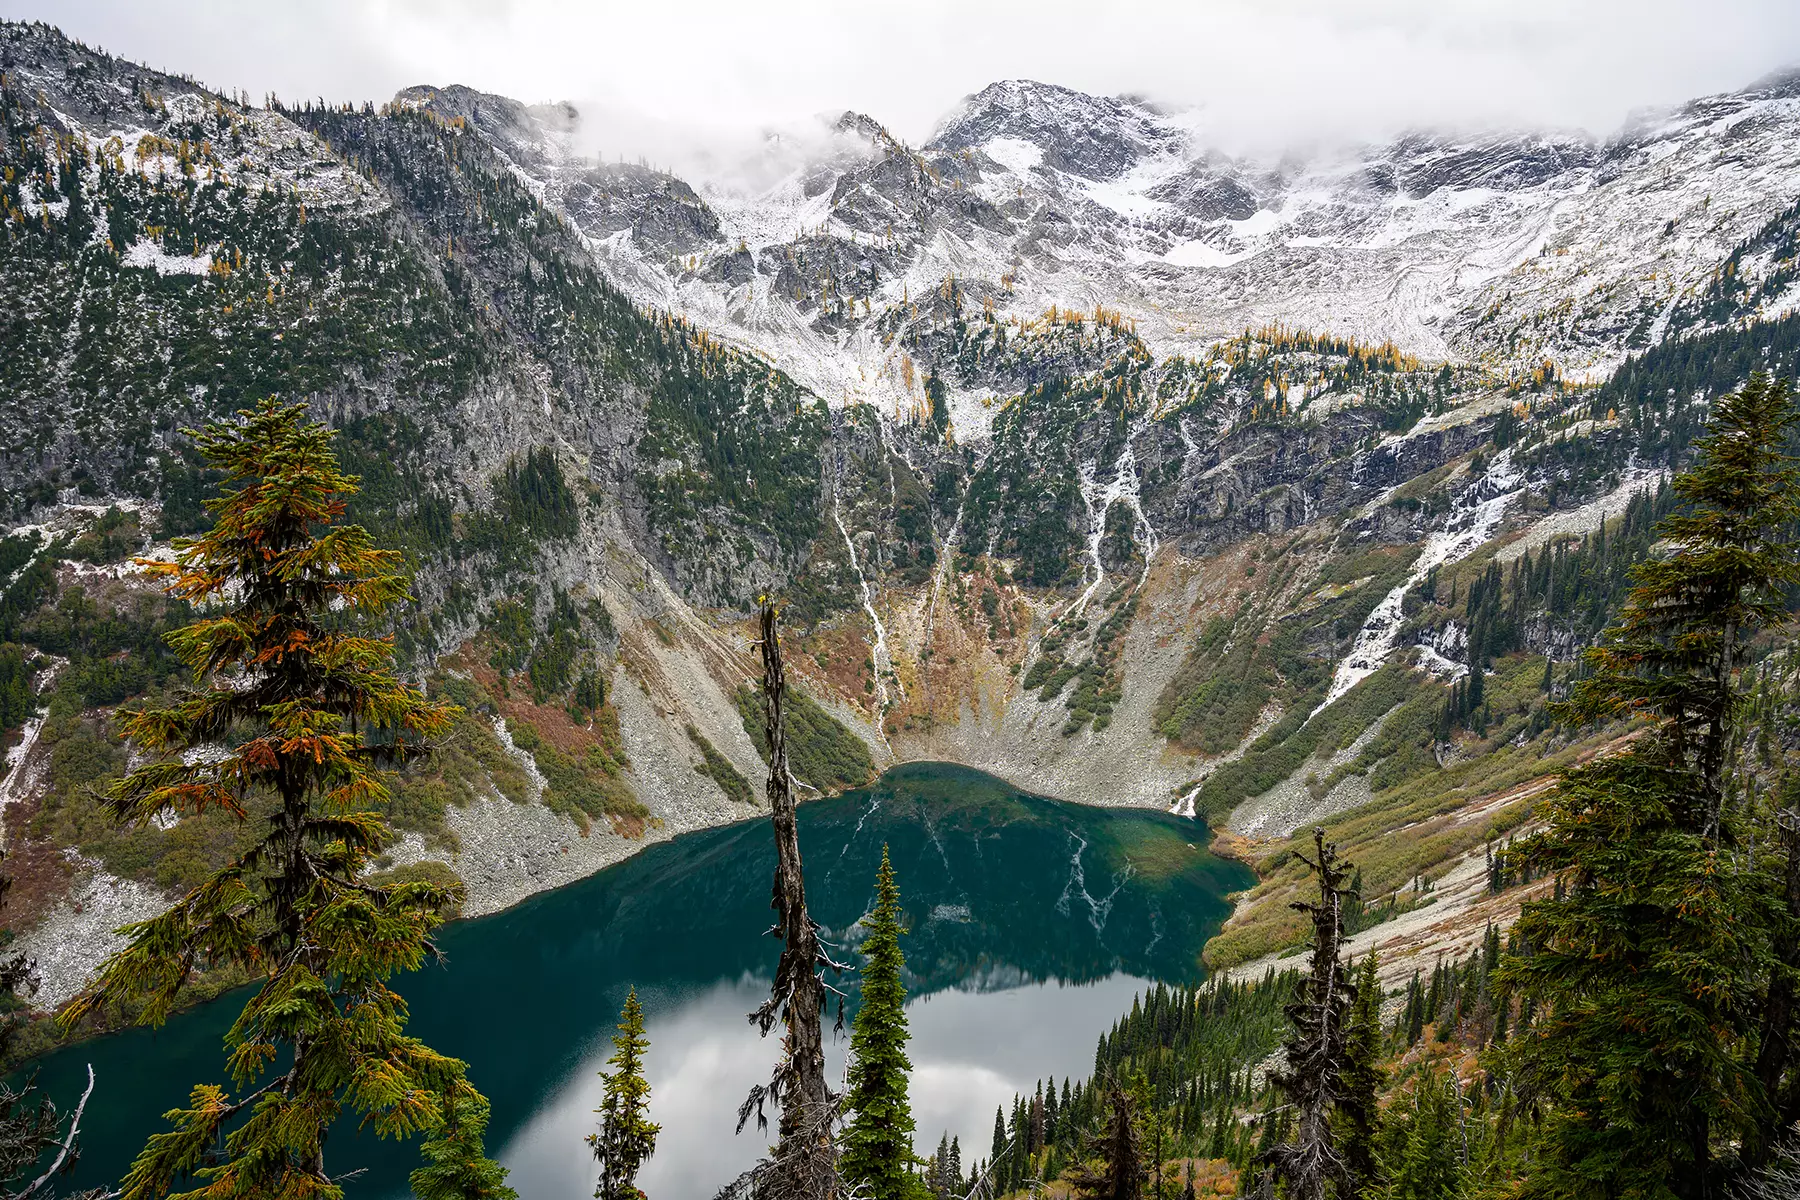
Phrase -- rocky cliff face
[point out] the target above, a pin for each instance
(1129, 470)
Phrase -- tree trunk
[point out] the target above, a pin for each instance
(1778, 1011)
(805, 1165)
(1310, 1165)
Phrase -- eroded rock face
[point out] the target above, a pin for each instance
(965, 405)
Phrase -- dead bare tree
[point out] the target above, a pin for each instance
(804, 1166)
(1318, 1049)
(1120, 1170)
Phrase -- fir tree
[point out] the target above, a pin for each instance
(1316, 1053)
(1429, 1165)
(289, 682)
(458, 1168)
(1362, 1079)
(877, 1145)
(626, 1136)
(1118, 1170)
(1646, 960)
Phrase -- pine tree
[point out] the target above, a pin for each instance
(1316, 1052)
(458, 1168)
(877, 1145)
(626, 1136)
(289, 682)
(1428, 1166)
(1646, 960)
(1362, 1079)
(1119, 1169)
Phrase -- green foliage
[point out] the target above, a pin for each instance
(1648, 958)
(822, 754)
(626, 1136)
(114, 535)
(877, 1144)
(1425, 1144)
(534, 495)
(17, 701)
(589, 692)
(1567, 592)
(1278, 753)
(1221, 690)
(457, 1166)
(1358, 1117)
(29, 564)
(582, 787)
(1191, 1054)
(511, 632)
(284, 585)
(718, 768)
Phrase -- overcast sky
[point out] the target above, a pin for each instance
(1268, 72)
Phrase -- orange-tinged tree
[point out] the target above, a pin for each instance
(295, 706)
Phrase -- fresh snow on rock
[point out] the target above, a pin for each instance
(1473, 519)
(148, 254)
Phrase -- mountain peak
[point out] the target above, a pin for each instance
(1095, 137)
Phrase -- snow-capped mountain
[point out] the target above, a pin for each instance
(1500, 248)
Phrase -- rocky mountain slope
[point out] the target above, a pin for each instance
(1277, 493)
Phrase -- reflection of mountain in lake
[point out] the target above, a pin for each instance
(999, 889)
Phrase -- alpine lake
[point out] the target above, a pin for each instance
(1031, 925)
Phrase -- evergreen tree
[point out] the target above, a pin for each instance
(877, 1145)
(1119, 1169)
(1647, 958)
(1362, 1079)
(626, 1136)
(458, 1168)
(289, 682)
(938, 397)
(1316, 1053)
(1429, 1165)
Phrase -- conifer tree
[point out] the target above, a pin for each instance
(457, 1167)
(1119, 1170)
(1646, 959)
(291, 686)
(1361, 1079)
(877, 1145)
(1428, 1166)
(1316, 1052)
(626, 1136)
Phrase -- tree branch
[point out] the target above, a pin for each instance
(68, 1143)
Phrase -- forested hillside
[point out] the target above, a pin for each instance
(1314, 554)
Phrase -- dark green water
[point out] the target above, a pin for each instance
(1032, 924)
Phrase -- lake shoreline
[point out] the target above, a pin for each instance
(1018, 905)
(41, 1037)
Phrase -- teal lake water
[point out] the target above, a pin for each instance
(1032, 924)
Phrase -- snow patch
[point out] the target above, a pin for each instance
(1015, 154)
(1477, 512)
(150, 255)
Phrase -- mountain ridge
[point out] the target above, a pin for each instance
(1032, 505)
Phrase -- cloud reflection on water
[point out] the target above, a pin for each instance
(971, 1051)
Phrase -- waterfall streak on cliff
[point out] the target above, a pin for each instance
(884, 661)
(1473, 517)
(1124, 488)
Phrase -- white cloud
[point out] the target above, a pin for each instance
(1267, 71)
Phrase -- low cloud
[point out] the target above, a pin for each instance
(703, 82)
